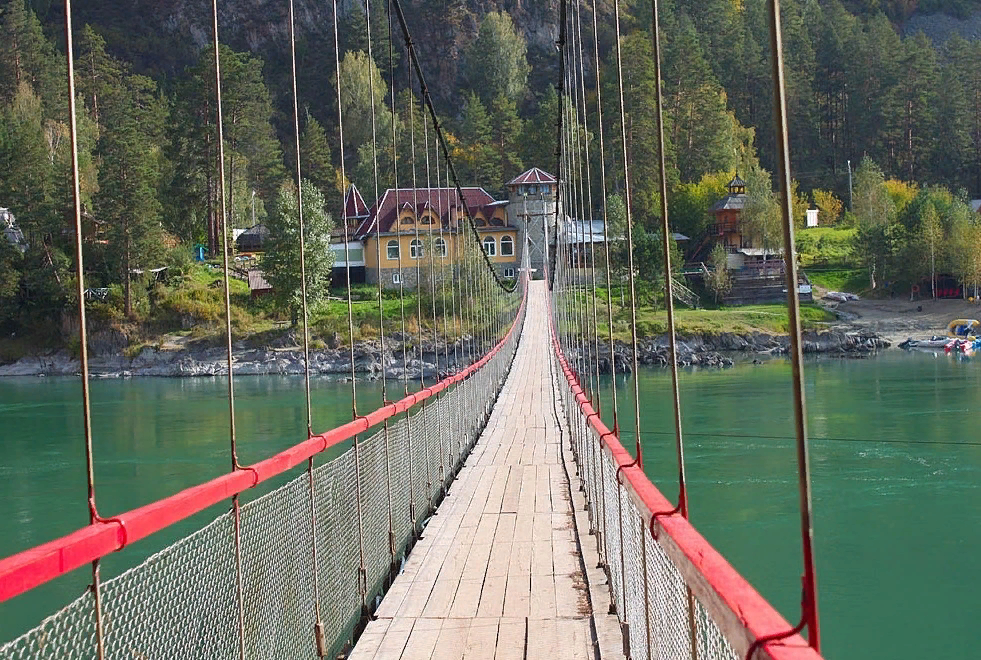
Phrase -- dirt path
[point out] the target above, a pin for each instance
(898, 319)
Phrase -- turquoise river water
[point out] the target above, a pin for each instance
(896, 459)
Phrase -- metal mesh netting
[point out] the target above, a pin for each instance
(633, 553)
(399, 449)
(337, 544)
(277, 558)
(374, 510)
(68, 634)
(182, 602)
(658, 609)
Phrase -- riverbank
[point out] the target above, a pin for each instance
(426, 360)
(186, 360)
(719, 350)
(896, 320)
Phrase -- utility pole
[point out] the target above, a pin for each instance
(253, 208)
(849, 185)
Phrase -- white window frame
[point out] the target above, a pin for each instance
(510, 243)
(396, 278)
(416, 249)
(439, 247)
(509, 272)
(490, 246)
(388, 250)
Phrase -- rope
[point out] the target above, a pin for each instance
(82, 330)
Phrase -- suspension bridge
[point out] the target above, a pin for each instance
(488, 514)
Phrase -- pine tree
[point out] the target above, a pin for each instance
(476, 158)
(496, 62)
(281, 263)
(506, 129)
(127, 201)
(910, 109)
(25, 55)
(97, 71)
(25, 162)
(315, 155)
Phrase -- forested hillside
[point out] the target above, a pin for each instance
(857, 91)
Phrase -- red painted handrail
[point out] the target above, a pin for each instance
(28, 569)
(755, 615)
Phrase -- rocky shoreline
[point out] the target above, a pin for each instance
(715, 351)
(710, 351)
(369, 361)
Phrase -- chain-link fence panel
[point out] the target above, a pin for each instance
(420, 463)
(338, 547)
(401, 482)
(374, 510)
(277, 573)
(633, 566)
(69, 634)
(667, 604)
(612, 537)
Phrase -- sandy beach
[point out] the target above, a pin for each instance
(896, 319)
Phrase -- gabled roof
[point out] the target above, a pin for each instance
(440, 201)
(534, 175)
(354, 206)
(257, 281)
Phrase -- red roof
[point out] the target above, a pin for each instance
(534, 175)
(354, 206)
(440, 200)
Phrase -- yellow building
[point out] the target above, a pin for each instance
(405, 225)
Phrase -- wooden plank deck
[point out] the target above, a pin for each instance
(499, 573)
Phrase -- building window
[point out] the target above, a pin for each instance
(415, 249)
(509, 272)
(479, 222)
(490, 246)
(507, 246)
(426, 220)
(406, 219)
(396, 278)
(532, 189)
(496, 222)
(439, 246)
(393, 250)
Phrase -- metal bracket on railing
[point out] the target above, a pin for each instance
(318, 635)
(760, 642)
(658, 514)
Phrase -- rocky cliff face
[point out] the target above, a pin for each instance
(137, 29)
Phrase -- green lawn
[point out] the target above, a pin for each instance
(853, 280)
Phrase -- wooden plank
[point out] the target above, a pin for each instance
(542, 638)
(511, 639)
(466, 600)
(482, 640)
(452, 640)
(529, 490)
(422, 639)
(492, 597)
(395, 638)
(441, 598)
(574, 639)
(512, 490)
(370, 639)
(542, 605)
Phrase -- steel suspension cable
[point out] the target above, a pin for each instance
(318, 623)
(668, 283)
(585, 202)
(362, 574)
(82, 330)
(223, 227)
(589, 187)
(639, 456)
(809, 616)
(381, 307)
(606, 227)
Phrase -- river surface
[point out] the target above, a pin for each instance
(896, 460)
